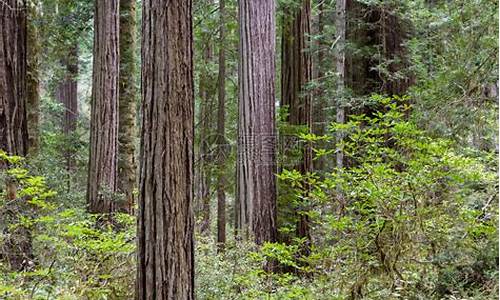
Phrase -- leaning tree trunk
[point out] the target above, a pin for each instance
(17, 247)
(32, 82)
(102, 171)
(165, 268)
(256, 165)
(296, 72)
(126, 107)
(221, 139)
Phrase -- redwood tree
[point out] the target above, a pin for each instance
(256, 166)
(102, 171)
(126, 107)
(16, 248)
(221, 123)
(67, 94)
(296, 72)
(32, 81)
(165, 262)
(13, 64)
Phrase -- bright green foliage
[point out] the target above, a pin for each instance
(74, 258)
(421, 216)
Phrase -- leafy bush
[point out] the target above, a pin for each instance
(416, 219)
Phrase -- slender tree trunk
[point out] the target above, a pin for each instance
(67, 94)
(296, 72)
(32, 82)
(221, 140)
(165, 268)
(126, 107)
(340, 24)
(17, 248)
(206, 97)
(319, 105)
(102, 174)
(256, 165)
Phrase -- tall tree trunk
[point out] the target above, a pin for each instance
(32, 81)
(296, 72)
(67, 95)
(206, 96)
(17, 248)
(319, 105)
(13, 66)
(126, 106)
(340, 25)
(102, 173)
(165, 268)
(256, 165)
(221, 124)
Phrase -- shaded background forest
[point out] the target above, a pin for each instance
(387, 187)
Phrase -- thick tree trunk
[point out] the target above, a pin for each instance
(256, 165)
(13, 65)
(102, 173)
(67, 95)
(126, 107)
(221, 124)
(32, 82)
(296, 72)
(165, 268)
(17, 247)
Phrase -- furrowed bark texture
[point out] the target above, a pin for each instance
(33, 82)
(104, 112)
(221, 124)
(296, 72)
(13, 116)
(126, 106)
(256, 165)
(165, 264)
(16, 248)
